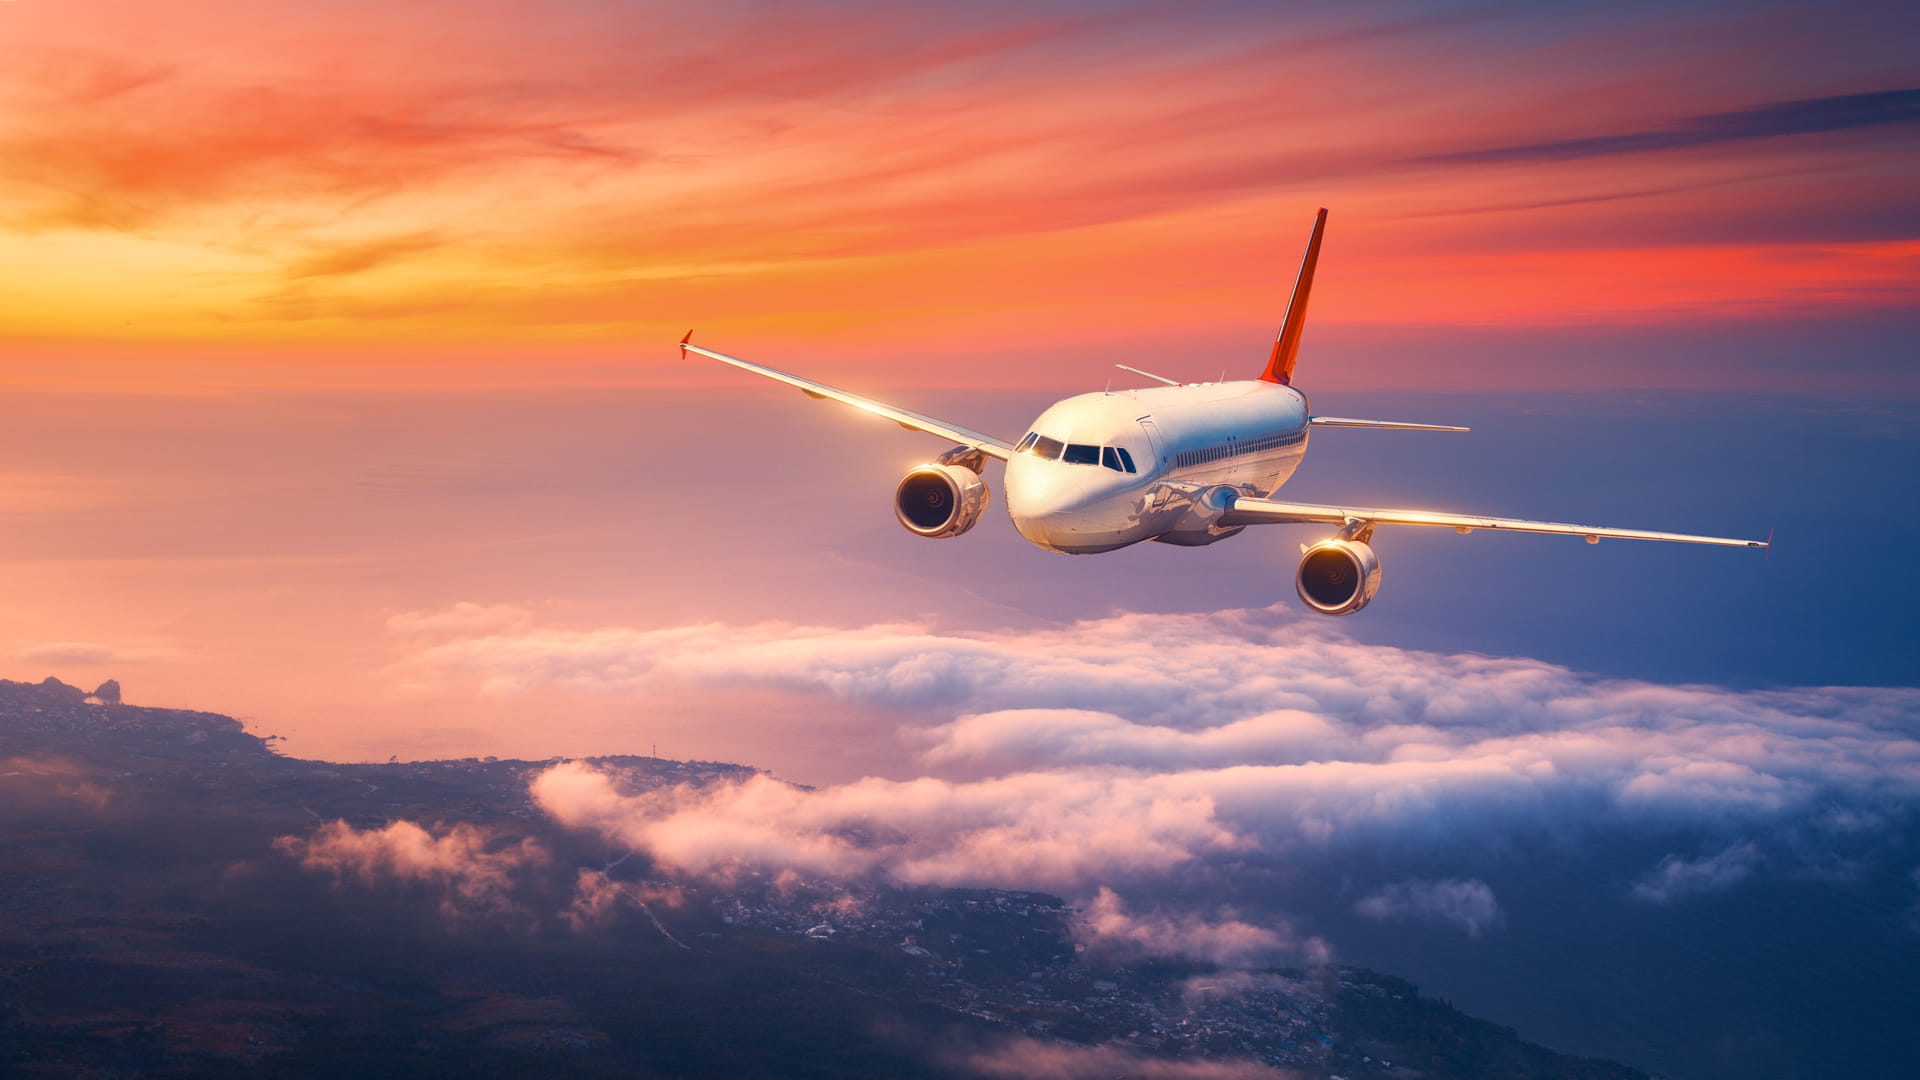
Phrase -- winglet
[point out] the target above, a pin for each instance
(684, 340)
(1286, 348)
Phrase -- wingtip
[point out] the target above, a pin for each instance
(684, 340)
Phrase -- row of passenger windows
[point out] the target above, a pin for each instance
(1227, 450)
(1113, 457)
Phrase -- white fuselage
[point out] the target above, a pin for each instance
(1187, 446)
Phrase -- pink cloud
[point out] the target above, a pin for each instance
(461, 620)
(92, 654)
(470, 868)
(1025, 831)
(1105, 925)
(597, 897)
(1035, 1059)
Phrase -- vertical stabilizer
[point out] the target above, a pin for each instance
(1286, 348)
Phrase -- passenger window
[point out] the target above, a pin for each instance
(1126, 459)
(1081, 454)
(1046, 448)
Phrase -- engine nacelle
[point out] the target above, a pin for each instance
(938, 500)
(1337, 577)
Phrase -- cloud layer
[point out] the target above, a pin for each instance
(1202, 743)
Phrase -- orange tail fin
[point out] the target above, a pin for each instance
(1286, 348)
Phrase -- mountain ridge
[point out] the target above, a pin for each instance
(183, 900)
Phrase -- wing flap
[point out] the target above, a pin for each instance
(912, 421)
(1249, 511)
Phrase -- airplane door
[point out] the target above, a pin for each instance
(1161, 494)
(1153, 440)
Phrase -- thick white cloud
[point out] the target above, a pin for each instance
(1034, 830)
(1011, 738)
(1137, 749)
(1470, 905)
(1261, 688)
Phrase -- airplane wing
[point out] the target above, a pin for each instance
(912, 421)
(1393, 425)
(1250, 511)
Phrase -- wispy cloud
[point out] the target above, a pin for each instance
(1038, 1059)
(1469, 905)
(1677, 878)
(1222, 937)
(462, 620)
(358, 258)
(473, 872)
(1808, 116)
(94, 654)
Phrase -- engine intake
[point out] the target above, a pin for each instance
(1338, 577)
(938, 500)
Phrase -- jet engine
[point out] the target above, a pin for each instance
(940, 500)
(1338, 577)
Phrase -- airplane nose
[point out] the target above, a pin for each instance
(1043, 501)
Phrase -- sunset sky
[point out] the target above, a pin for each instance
(338, 393)
(263, 193)
(312, 315)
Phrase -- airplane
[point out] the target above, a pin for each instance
(1187, 464)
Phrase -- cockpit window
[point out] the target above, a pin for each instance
(1113, 457)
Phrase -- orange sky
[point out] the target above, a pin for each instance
(315, 315)
(218, 192)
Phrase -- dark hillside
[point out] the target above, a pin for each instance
(169, 909)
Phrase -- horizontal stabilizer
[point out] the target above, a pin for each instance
(1342, 421)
